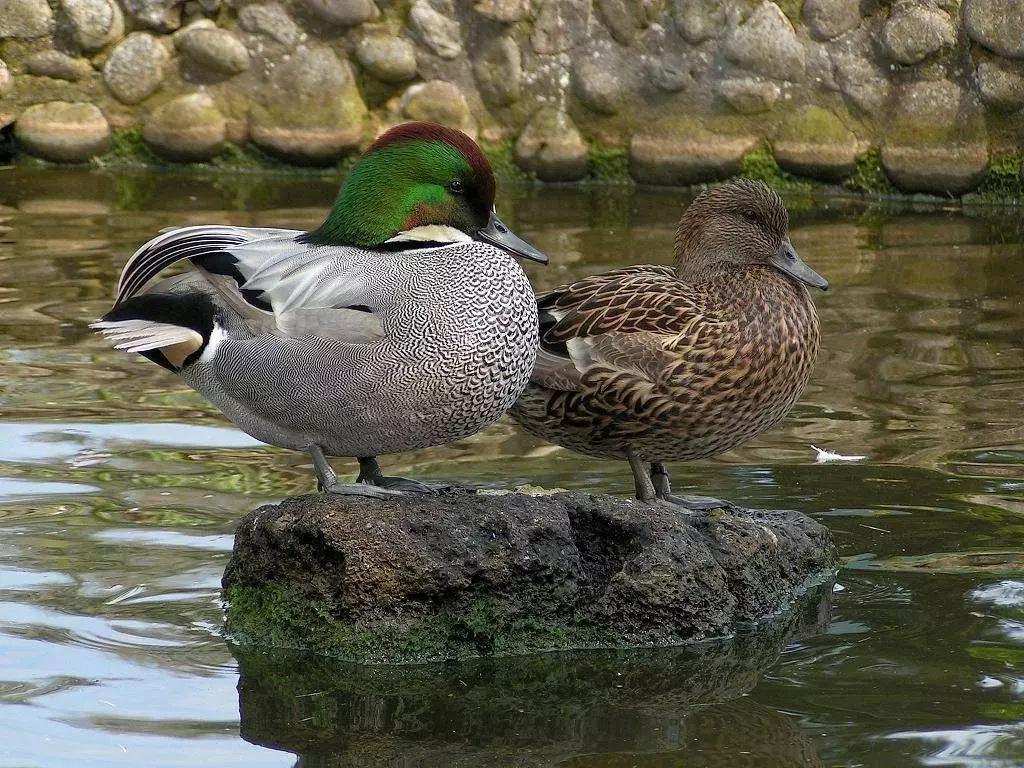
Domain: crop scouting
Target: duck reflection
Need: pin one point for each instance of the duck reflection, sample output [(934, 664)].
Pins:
[(663, 707)]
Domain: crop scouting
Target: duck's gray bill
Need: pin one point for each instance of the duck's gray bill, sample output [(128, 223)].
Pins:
[(500, 236), (790, 262)]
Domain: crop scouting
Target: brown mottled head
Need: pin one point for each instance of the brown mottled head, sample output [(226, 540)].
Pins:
[(738, 224)]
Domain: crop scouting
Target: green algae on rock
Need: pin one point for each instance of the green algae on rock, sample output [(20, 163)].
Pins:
[(457, 574)]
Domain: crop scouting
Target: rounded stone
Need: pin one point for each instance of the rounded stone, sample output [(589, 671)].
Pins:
[(748, 96), (682, 151), (938, 170), (135, 69), (270, 20), (25, 19), (507, 11), (439, 33), (766, 44), (625, 19), (186, 129), (499, 72), (389, 59), (343, 13), (827, 19), (996, 24), (311, 110), (57, 65), (560, 25), (63, 132), (914, 32), (95, 24), (814, 142), (161, 15), (438, 101), (857, 74), (598, 86), (551, 148), (1000, 85), (214, 49), (699, 20)]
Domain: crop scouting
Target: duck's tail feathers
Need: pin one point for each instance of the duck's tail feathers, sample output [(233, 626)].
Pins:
[(170, 329), (171, 246)]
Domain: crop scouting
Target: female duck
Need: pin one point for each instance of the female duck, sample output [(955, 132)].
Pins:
[(655, 364), (401, 322)]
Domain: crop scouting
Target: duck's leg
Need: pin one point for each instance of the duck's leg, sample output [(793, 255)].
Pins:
[(327, 480), (663, 489), (645, 490), (369, 472)]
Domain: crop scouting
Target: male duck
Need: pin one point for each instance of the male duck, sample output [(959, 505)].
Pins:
[(655, 364), (401, 322)]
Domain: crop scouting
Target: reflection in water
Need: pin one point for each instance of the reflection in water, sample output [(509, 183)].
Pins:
[(579, 709), (120, 489)]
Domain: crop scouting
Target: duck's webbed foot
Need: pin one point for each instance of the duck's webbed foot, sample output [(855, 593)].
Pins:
[(369, 472), (327, 480), (663, 491)]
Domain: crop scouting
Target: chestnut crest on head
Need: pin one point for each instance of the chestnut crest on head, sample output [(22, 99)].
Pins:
[(738, 224), (419, 183)]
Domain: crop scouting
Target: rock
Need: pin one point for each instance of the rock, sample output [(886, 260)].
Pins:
[(699, 20), (499, 72), (439, 33), (625, 19), (859, 78), (767, 45), (270, 20), (935, 140), (1000, 84), (426, 578), (95, 24), (343, 13), (560, 25), (161, 15), (135, 69), (388, 58), (214, 49), (556, 708), (996, 24), (25, 19), (814, 142), (551, 148), (683, 151), (6, 81), (57, 65), (597, 85), (915, 31), (678, 70), (827, 19), (748, 95), (507, 11), (63, 132), (311, 111), (438, 101), (186, 129)]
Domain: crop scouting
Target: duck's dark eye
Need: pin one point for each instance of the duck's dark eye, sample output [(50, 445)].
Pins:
[(456, 187)]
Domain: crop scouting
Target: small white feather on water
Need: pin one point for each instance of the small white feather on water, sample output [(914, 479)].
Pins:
[(826, 456)]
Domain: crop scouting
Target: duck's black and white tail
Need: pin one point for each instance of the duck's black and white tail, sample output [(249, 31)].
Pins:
[(172, 330)]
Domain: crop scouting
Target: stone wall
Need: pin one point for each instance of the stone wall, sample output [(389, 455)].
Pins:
[(934, 88)]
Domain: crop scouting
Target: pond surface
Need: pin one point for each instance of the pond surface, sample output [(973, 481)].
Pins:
[(120, 490)]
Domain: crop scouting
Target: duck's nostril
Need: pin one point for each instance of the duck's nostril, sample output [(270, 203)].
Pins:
[(501, 228)]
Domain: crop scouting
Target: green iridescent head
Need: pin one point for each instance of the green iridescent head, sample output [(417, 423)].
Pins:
[(419, 178)]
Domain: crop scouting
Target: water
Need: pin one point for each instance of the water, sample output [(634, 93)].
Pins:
[(119, 492)]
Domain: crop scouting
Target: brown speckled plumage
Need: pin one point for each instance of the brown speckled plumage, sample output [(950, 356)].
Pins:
[(685, 362)]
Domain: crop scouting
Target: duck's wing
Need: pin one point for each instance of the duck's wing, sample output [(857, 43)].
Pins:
[(309, 290), (640, 321)]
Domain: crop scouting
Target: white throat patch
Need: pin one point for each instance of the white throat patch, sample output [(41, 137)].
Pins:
[(431, 233)]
